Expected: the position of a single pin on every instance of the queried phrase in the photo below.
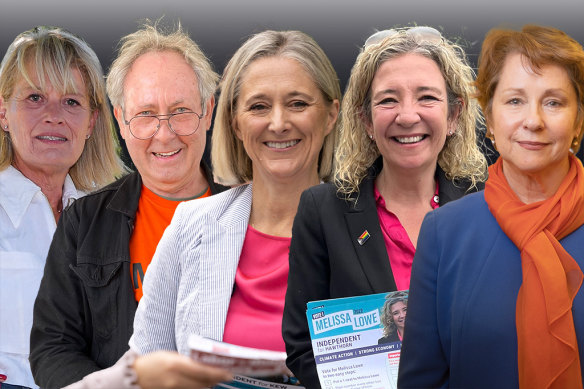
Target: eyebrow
(546, 92)
(429, 88)
(155, 105)
(259, 96)
(418, 90)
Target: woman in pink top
(221, 267)
(408, 145)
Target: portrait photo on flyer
(357, 340)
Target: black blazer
(326, 260)
(84, 312)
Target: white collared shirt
(27, 225)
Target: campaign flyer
(247, 364)
(357, 340)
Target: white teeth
(167, 154)
(49, 137)
(282, 145)
(409, 139)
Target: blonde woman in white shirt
(57, 141)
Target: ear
(121, 124)
(454, 115)
(368, 124)
(206, 120)
(92, 121)
(577, 131)
(236, 129)
(3, 121)
(333, 116)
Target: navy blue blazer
(460, 330)
(326, 261)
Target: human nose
(407, 115)
(164, 131)
(278, 120)
(533, 119)
(53, 112)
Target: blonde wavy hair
(231, 164)
(55, 52)
(461, 158)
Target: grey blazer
(188, 285)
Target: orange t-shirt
(152, 217)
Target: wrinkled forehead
(160, 77)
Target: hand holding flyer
(244, 362)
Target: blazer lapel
(372, 253)
(222, 241)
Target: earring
(371, 136)
(88, 136)
(450, 133)
(6, 126)
(574, 145)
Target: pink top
(254, 318)
(400, 249)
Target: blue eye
(182, 110)
(554, 103)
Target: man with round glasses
(162, 89)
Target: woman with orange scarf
(496, 300)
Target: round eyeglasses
(146, 126)
(419, 33)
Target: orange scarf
(547, 347)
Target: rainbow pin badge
(363, 238)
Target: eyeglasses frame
(160, 119)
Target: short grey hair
(151, 38)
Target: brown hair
(539, 46)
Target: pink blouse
(400, 249)
(254, 318)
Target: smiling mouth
(168, 154)
(409, 139)
(50, 137)
(282, 145)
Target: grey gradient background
(340, 27)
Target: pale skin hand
(165, 369)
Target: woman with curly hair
(408, 145)
(393, 317)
